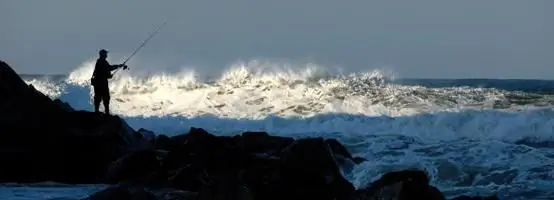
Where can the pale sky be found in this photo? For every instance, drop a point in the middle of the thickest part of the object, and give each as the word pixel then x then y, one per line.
pixel 415 39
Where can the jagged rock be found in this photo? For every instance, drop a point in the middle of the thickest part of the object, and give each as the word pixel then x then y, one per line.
pixel 270 167
pixel 225 187
pixel 262 142
pixel 162 142
pixel 23 103
pixel 197 146
pixel 43 140
pixel 338 148
pixel 401 185
pixel 262 175
pixel 136 165
pixel 310 172
pixel 64 105
pixel 189 178
pixel 148 135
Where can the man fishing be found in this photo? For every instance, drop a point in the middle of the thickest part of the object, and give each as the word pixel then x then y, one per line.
pixel 99 80
pixel 102 72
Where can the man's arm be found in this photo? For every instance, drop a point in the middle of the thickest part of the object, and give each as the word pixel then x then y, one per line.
pixel 110 67
pixel 114 67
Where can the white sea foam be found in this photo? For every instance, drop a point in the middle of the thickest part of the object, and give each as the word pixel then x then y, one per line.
pixel 294 99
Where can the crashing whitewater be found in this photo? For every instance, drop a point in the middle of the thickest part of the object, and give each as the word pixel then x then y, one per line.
pixel 470 140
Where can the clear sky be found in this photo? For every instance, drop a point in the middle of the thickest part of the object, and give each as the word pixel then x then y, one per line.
pixel 423 38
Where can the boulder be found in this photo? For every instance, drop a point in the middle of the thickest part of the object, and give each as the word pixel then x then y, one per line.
pixel 406 185
pixel 402 185
pixel 254 165
pixel 261 142
pixel 341 152
pixel 147 135
pixel 338 148
pixel 309 171
pixel 136 165
pixel 190 178
pixel 162 142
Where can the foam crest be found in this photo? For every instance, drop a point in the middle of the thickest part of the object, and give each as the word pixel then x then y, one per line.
pixel 262 72
pixel 126 84
pixel 48 87
pixel 81 76
pixel 262 90
pixel 258 88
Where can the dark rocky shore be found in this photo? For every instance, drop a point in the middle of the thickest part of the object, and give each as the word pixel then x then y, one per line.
pixel 46 140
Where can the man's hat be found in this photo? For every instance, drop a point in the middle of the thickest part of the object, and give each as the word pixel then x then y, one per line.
pixel 103 51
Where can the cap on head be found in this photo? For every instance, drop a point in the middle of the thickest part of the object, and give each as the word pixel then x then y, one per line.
pixel 103 52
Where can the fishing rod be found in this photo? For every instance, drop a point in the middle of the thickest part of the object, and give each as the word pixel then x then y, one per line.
pixel 143 44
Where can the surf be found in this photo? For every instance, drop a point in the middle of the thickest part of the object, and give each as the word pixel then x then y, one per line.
pixel 464 135
pixel 257 94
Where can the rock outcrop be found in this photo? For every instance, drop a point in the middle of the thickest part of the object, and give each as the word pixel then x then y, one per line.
pixel 45 140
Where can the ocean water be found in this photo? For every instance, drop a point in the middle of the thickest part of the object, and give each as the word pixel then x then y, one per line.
pixel 473 136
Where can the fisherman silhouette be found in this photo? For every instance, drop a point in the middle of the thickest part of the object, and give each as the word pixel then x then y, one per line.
pixel 99 80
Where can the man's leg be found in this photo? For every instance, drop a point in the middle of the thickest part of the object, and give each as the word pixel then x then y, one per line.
pixel 106 100
pixel 97 98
